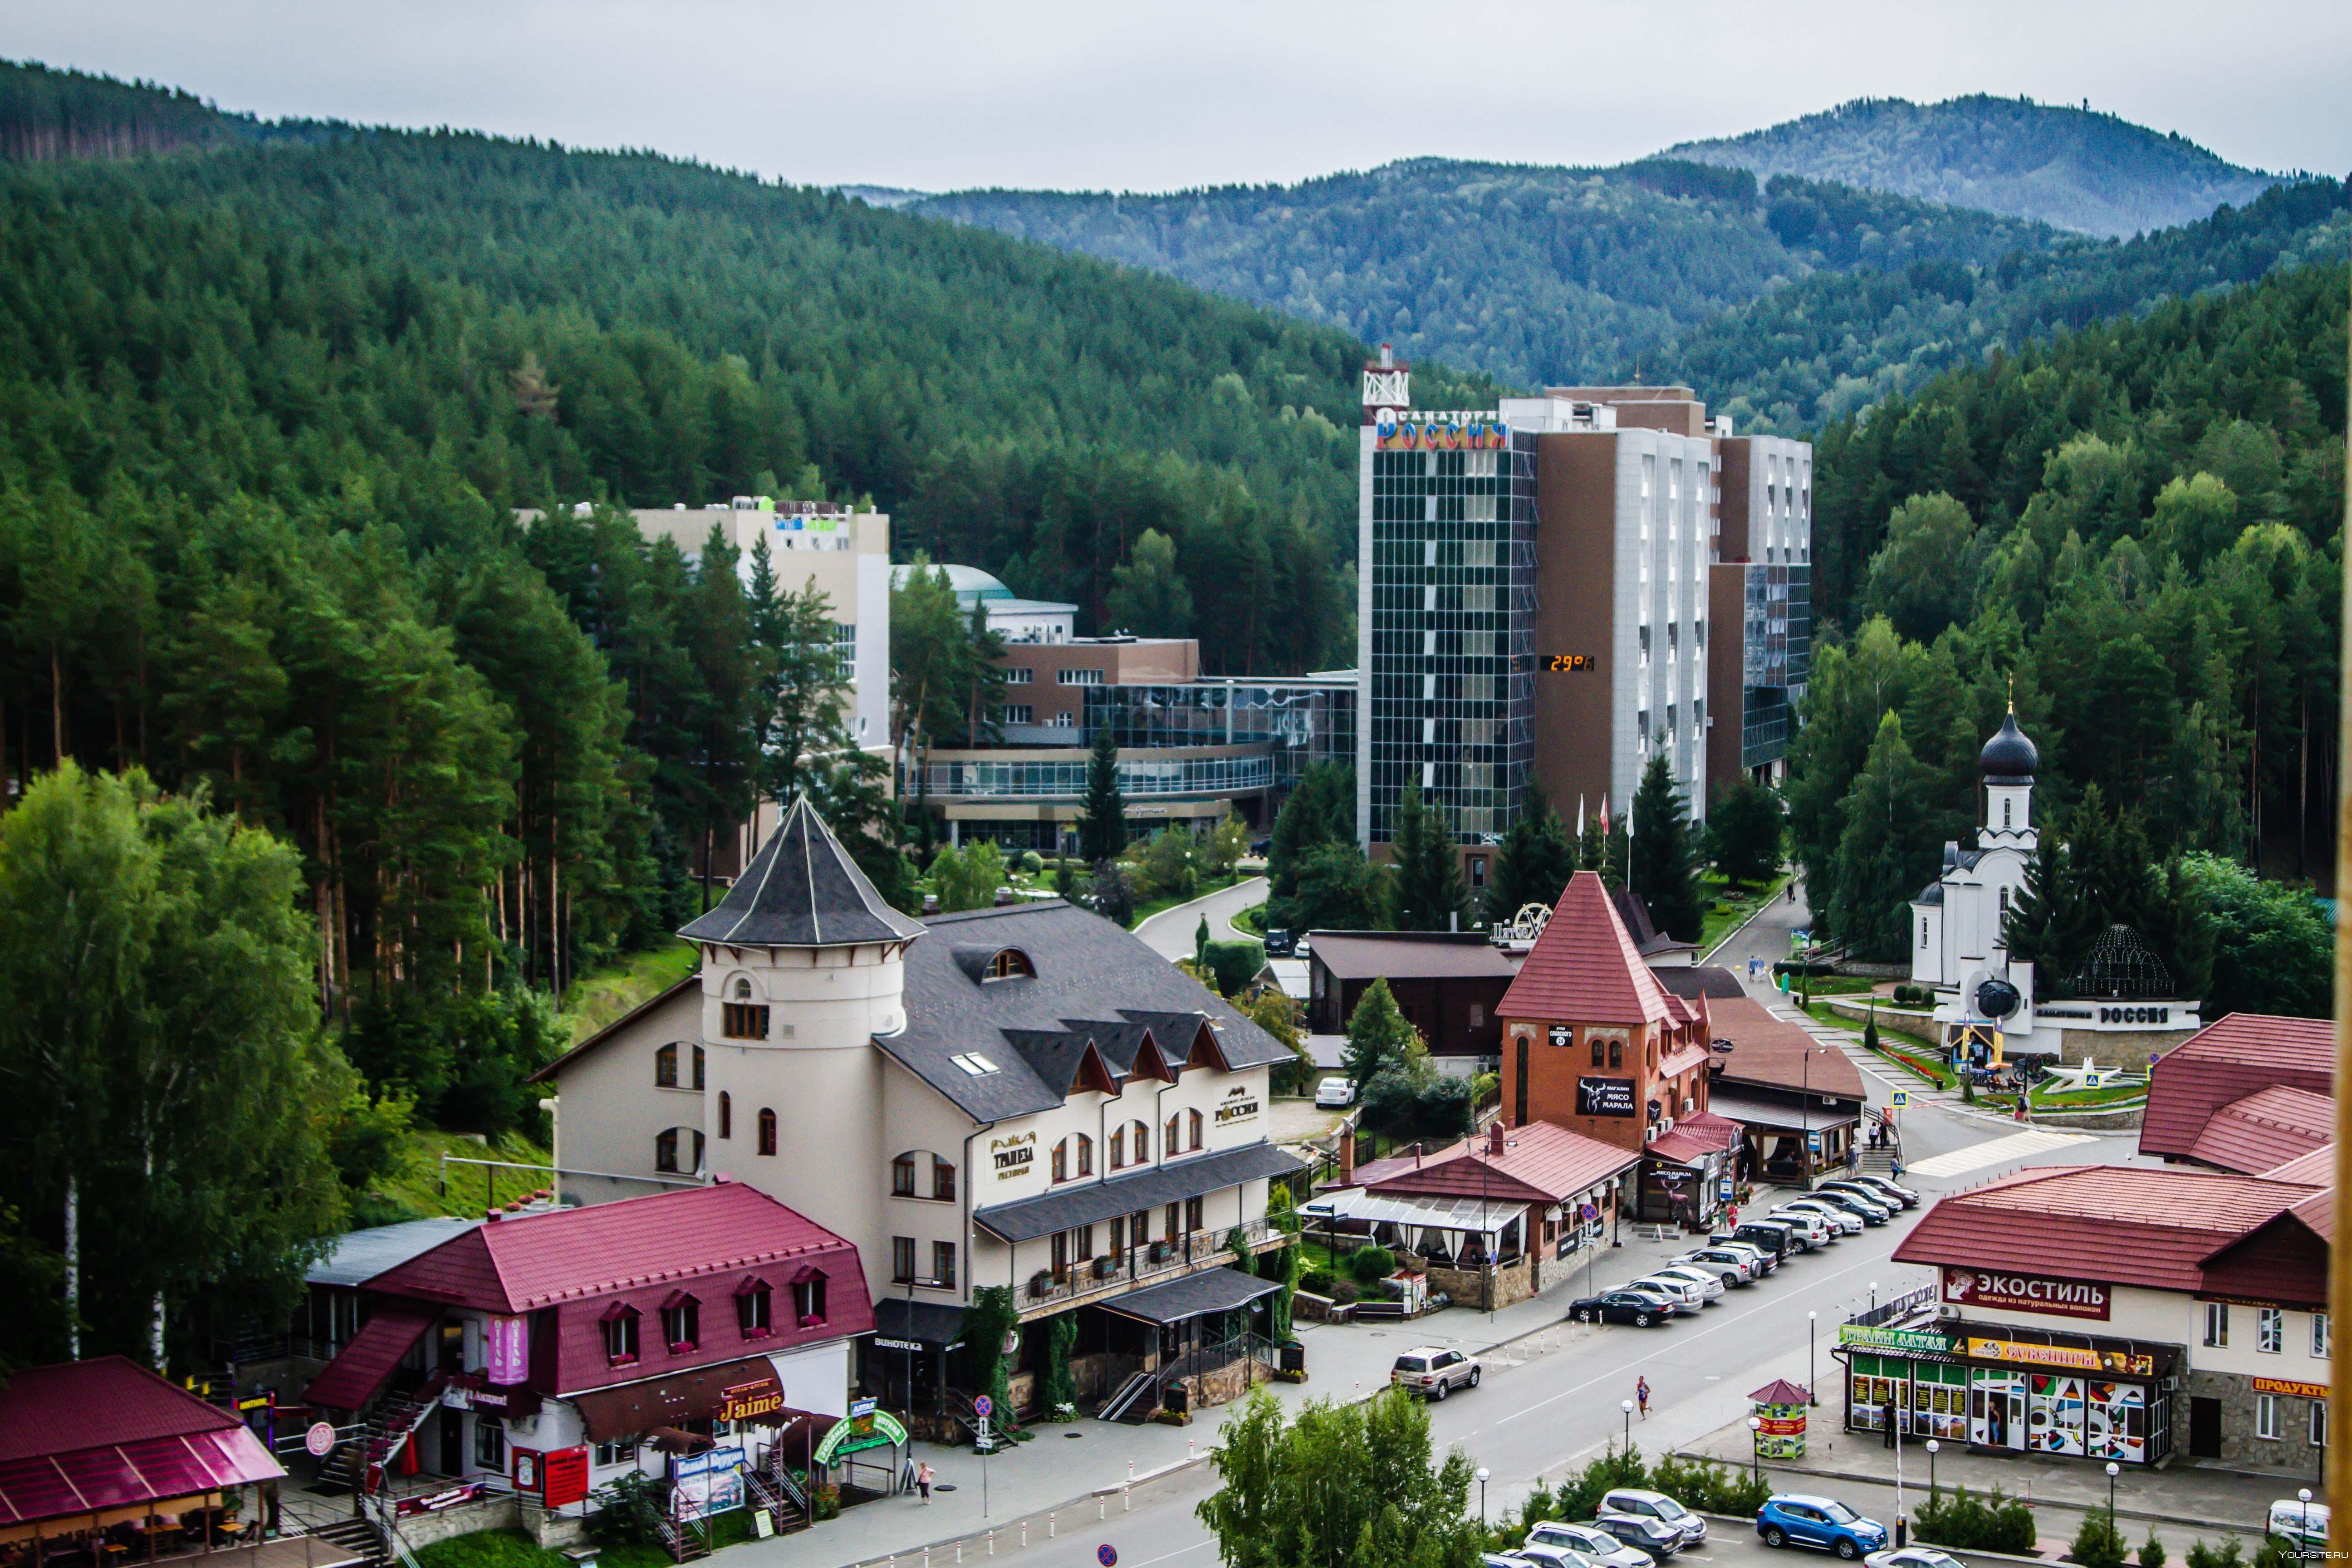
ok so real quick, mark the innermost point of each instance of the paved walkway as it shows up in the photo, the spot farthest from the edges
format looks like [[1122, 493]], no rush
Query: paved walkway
[[1169, 933]]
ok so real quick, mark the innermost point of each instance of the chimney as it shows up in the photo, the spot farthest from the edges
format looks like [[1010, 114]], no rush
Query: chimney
[[1495, 1138], [494, 1214], [1346, 1153]]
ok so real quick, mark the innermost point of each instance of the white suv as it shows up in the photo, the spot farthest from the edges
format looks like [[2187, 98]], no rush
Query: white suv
[[1841, 1220], [1815, 1228]]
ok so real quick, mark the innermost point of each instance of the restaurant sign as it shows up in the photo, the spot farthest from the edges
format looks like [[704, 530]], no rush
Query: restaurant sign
[[506, 1349], [1604, 1097], [1241, 1104], [2025, 1292], [1886, 1338], [751, 1401], [1012, 1157], [2076, 1358]]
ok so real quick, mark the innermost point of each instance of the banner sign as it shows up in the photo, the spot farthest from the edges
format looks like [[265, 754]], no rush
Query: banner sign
[[1895, 1339], [706, 1483], [505, 1350], [2074, 1358], [2282, 1386], [2025, 1293], [1437, 433], [1604, 1097], [564, 1474]]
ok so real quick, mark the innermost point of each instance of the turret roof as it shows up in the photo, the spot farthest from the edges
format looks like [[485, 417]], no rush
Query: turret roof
[[801, 890]]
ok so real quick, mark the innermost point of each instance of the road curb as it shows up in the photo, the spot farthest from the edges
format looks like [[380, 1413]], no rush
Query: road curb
[[1213, 893], [1724, 941]]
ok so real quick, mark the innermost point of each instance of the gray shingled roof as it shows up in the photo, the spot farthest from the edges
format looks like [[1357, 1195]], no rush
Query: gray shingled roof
[[1193, 1295], [1091, 1202], [801, 890], [1095, 984]]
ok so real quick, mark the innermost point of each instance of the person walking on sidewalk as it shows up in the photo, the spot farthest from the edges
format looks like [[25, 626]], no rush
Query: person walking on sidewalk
[[923, 1477], [1641, 1395]]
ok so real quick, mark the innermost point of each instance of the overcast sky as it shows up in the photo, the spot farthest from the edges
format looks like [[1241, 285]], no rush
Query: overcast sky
[[1159, 95]]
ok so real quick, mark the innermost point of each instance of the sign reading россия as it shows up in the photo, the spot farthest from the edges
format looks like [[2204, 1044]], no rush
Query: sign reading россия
[[2024, 1292]]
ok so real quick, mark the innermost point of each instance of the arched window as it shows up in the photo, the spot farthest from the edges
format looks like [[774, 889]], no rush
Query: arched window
[[669, 1150], [742, 989], [1597, 1059], [741, 1017], [666, 1066], [2004, 813], [1142, 1144], [725, 1115], [942, 1180], [1009, 965], [665, 1150], [767, 1131], [1192, 1119], [902, 1176], [1062, 1161], [1086, 1155], [697, 1067], [1118, 1149], [1168, 1139], [1616, 1053]]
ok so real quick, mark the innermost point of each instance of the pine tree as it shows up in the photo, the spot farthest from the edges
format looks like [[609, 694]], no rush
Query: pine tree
[[1888, 852], [1534, 864], [1665, 857], [1426, 891], [1379, 1038], [1102, 816], [1322, 810]]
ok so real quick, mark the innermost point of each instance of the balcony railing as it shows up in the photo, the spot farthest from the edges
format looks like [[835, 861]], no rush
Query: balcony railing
[[1134, 1267], [1052, 778]]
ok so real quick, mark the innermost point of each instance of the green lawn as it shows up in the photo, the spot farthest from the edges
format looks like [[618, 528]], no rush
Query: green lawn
[[512, 1549], [1898, 1045], [600, 996], [414, 1190], [1727, 907], [1252, 919], [1207, 885]]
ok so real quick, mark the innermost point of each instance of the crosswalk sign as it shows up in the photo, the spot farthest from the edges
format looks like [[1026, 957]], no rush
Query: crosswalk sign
[[1901, 1098]]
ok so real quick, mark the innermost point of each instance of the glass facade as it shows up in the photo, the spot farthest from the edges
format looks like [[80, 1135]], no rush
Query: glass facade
[[1452, 634], [1304, 722], [1775, 656], [1063, 777]]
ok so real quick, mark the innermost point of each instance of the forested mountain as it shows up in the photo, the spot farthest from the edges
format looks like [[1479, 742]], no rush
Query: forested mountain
[[1833, 344], [1529, 274], [2134, 531], [2091, 172]]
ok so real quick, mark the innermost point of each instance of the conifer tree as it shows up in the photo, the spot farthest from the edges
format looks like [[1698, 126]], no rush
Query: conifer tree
[[1379, 1038], [1665, 869], [1533, 863], [1426, 891], [1102, 816]]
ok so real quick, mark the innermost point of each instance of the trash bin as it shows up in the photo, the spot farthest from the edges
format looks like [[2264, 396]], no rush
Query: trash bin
[[1294, 1357], [1176, 1398]]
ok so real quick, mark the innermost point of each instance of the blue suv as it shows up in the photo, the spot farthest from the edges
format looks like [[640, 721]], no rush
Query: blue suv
[[1793, 1519]]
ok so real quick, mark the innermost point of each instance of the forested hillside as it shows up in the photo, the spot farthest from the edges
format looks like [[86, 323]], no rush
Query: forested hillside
[[1531, 274], [2138, 524], [2091, 172], [1833, 344]]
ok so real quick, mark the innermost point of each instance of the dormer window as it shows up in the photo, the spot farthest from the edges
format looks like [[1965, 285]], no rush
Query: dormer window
[[808, 1299], [620, 1327], [739, 1016], [681, 1318], [1010, 963], [751, 1310]]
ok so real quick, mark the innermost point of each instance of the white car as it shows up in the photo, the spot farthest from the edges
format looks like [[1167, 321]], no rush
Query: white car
[[1686, 1292], [1640, 1504], [1592, 1540], [1818, 1229], [1761, 1262], [1731, 1268], [1840, 1219], [1545, 1554], [1678, 1294], [1333, 1093], [1912, 1557], [1709, 1282]]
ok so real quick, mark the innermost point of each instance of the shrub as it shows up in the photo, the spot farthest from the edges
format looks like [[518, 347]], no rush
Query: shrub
[[1579, 1497], [2203, 1556], [1991, 1523], [629, 1510], [1343, 1291], [1032, 862], [1367, 1264], [1710, 1487], [1233, 964], [2099, 1544], [2151, 1551], [1318, 1281]]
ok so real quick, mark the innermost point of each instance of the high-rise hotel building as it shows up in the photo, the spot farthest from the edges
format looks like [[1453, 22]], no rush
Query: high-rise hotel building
[[1539, 592]]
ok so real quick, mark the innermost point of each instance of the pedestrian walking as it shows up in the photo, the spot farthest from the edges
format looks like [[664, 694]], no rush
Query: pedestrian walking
[[923, 1480], [1641, 1395]]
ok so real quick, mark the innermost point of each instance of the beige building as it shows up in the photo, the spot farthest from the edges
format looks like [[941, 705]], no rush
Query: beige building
[[1024, 1097]]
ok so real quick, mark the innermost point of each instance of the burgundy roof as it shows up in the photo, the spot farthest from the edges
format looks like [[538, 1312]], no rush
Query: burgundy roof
[[1769, 1050], [363, 1365], [1540, 1162], [1584, 968], [1693, 1136], [2284, 1260], [528, 1261], [1780, 1391], [2316, 1169], [88, 1436], [2125, 1225], [2265, 1129], [2227, 1061]]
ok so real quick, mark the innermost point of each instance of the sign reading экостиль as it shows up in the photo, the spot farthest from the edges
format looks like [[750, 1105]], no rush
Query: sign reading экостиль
[[2024, 1293]]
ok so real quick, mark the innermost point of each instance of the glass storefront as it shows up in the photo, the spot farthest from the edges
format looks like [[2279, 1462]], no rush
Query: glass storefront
[[1972, 1389]]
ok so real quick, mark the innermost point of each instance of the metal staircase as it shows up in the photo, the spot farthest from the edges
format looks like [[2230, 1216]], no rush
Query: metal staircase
[[786, 1503], [684, 1540], [1128, 1404], [352, 1464]]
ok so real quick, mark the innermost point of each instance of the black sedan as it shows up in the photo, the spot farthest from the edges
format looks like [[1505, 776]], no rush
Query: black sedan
[[1619, 1307]]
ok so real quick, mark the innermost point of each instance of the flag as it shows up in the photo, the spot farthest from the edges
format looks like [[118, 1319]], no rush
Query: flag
[[1604, 817], [1580, 819]]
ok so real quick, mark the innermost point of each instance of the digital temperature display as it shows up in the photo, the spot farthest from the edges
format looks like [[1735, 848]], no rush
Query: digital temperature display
[[1570, 661]]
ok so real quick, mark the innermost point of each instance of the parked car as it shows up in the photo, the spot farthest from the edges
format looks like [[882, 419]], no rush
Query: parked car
[[1658, 1506], [1544, 1554], [1855, 1186], [1912, 1557], [1806, 1231], [1770, 1259], [1595, 1542], [1334, 1092], [1710, 1281], [1871, 1213], [1825, 1227], [1797, 1519], [1685, 1293], [1892, 1189], [1433, 1372], [1841, 1221], [1778, 1240], [2302, 1525], [1636, 1306], [1280, 943], [1753, 1262], [1734, 1268], [1654, 1536]]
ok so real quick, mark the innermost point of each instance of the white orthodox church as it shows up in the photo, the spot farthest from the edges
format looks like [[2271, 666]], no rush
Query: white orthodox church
[[2122, 1011]]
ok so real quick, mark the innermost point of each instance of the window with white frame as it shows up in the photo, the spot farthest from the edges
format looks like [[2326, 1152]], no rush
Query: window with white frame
[[2267, 1425], [1018, 713], [1020, 675], [2270, 1329], [1078, 678], [845, 652], [2217, 1324], [2319, 1423], [2319, 1335], [623, 1451]]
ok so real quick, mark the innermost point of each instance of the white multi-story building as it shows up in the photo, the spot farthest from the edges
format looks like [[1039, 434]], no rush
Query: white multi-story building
[[1026, 1096]]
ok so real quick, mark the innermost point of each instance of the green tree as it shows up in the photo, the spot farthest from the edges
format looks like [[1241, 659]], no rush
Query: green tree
[[1918, 580], [1102, 814], [1745, 828], [1665, 862], [1379, 1038], [1884, 858], [1533, 864], [1425, 891], [1147, 596], [1334, 888], [1227, 844], [2272, 947], [1322, 810], [967, 877], [1344, 1486]]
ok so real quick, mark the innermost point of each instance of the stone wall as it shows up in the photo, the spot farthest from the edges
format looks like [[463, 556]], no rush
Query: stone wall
[[1226, 1384], [500, 1510], [2129, 1049], [1465, 1284], [2291, 1454]]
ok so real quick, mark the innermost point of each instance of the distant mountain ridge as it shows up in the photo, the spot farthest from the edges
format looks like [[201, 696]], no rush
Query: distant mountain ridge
[[2072, 168]]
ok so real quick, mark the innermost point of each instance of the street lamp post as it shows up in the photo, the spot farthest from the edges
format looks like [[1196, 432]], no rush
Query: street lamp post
[[1873, 1295], [1932, 1446], [1482, 1497], [1756, 1446], [1628, 1407], [1812, 1396], [2303, 1495], [2114, 1470]]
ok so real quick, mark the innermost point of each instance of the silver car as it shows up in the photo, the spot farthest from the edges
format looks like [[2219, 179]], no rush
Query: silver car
[[1710, 1281], [1687, 1292], [1592, 1540], [1433, 1372], [1658, 1506], [1732, 1267]]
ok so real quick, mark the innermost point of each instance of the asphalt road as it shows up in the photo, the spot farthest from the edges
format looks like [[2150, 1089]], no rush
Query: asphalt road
[[1169, 933]]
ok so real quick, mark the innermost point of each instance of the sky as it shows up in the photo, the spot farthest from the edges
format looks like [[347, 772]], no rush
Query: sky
[[1145, 96]]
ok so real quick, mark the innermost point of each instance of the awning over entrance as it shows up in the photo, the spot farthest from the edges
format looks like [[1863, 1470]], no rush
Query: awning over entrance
[[1479, 1216], [132, 1476], [353, 1378], [1097, 1201], [1758, 1114], [744, 1390], [931, 1323], [1194, 1296]]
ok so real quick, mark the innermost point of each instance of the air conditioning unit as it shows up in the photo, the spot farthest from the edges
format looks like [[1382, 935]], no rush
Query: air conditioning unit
[[1948, 1312]]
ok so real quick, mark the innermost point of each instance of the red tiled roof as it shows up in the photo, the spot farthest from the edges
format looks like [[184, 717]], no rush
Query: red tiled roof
[[1693, 1136], [2125, 1225], [92, 1404], [1380, 1170], [1542, 1162], [1780, 1391], [2318, 1211], [1769, 1050], [2227, 1061], [1583, 967], [2316, 1169], [2265, 1129], [365, 1363], [525, 1262]]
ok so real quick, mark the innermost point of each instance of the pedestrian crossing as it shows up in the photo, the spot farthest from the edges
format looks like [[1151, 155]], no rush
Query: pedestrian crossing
[[1992, 1151]]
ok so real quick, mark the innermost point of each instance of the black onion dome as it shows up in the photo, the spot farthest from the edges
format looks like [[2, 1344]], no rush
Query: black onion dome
[[2009, 758]]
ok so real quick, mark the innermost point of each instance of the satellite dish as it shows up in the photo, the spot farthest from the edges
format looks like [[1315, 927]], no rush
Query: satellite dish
[[1997, 998]]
